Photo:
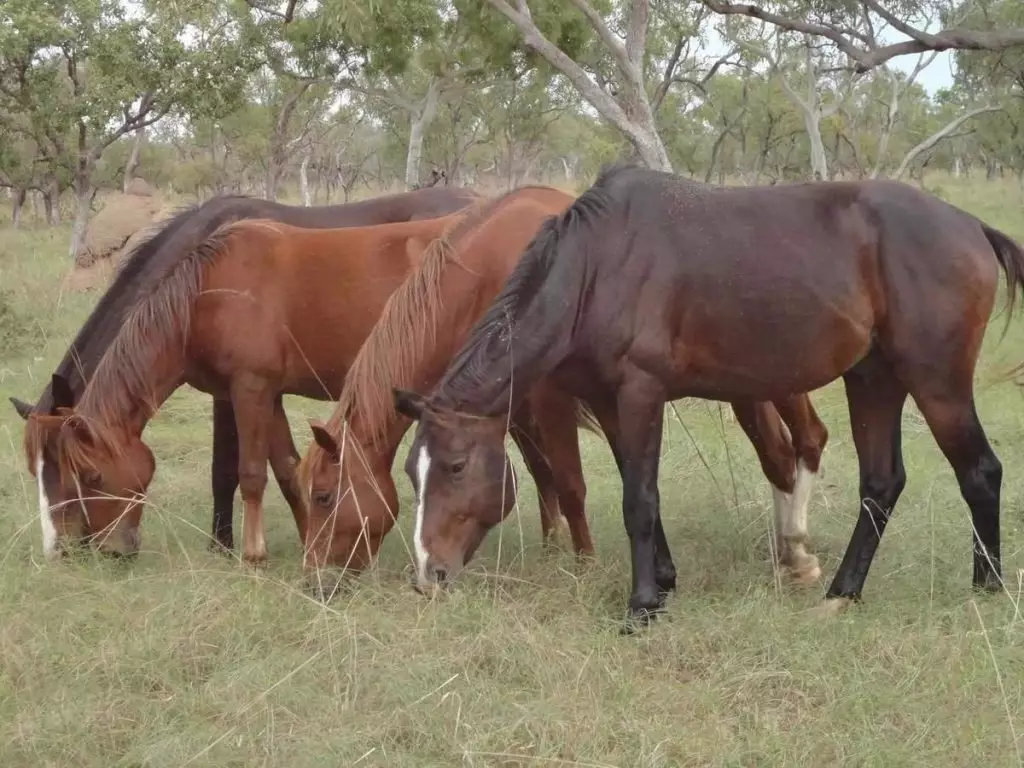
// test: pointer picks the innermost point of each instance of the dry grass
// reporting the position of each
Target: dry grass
(185, 658)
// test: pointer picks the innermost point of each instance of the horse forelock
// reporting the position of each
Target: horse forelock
(157, 325)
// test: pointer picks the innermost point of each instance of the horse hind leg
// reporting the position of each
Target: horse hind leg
(960, 436)
(875, 397)
(791, 474)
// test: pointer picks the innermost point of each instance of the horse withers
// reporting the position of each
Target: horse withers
(651, 288)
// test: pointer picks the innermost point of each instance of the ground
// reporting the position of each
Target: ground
(186, 658)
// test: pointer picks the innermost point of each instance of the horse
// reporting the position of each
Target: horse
(146, 266)
(650, 288)
(258, 309)
(421, 327)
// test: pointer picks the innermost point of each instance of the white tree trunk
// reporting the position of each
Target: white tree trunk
(307, 199)
(133, 158)
(938, 136)
(819, 160)
(83, 201)
(419, 121)
(957, 168)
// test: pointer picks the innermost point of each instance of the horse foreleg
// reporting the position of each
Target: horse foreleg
(523, 430)
(284, 460)
(556, 420)
(253, 401)
(791, 481)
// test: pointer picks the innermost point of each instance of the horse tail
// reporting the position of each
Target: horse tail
(1010, 256)
(586, 419)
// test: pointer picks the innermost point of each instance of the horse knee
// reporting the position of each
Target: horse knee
(252, 480)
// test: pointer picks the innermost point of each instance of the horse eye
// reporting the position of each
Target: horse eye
(322, 499)
(457, 466)
(91, 478)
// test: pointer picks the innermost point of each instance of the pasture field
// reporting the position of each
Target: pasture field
(186, 658)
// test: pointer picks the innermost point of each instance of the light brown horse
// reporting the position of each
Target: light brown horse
(258, 309)
(423, 325)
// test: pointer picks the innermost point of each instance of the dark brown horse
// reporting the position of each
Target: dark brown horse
(147, 266)
(422, 326)
(651, 288)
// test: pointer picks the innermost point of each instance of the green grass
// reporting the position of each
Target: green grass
(185, 658)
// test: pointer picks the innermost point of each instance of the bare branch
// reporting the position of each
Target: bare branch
(938, 136)
(286, 17)
(611, 42)
(863, 49)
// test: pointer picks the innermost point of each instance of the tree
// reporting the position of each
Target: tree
(85, 73)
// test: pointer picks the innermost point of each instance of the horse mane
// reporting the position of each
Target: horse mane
(157, 325)
(406, 329)
(523, 284)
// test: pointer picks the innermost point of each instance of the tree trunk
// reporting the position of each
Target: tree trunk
(83, 201)
(270, 183)
(307, 199)
(18, 195)
(51, 203)
(419, 121)
(133, 159)
(957, 168)
(819, 161)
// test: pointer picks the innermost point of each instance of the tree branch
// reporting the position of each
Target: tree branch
(618, 50)
(869, 55)
(938, 136)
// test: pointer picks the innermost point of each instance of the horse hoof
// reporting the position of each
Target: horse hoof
(805, 574)
(832, 607)
(255, 561)
(558, 537)
(220, 547)
(637, 620)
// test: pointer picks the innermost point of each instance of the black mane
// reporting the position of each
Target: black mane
(469, 369)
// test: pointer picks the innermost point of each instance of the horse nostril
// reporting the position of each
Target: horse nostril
(440, 575)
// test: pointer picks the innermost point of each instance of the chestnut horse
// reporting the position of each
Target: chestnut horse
(147, 265)
(259, 309)
(422, 326)
(651, 287)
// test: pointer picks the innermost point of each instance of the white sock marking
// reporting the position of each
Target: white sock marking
(801, 498)
(45, 521)
(422, 469)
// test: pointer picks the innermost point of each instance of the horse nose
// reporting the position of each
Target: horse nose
(437, 574)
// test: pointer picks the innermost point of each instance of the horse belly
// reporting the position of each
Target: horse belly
(765, 349)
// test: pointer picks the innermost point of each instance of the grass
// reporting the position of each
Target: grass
(185, 658)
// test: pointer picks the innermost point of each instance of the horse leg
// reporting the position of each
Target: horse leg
(640, 402)
(808, 437)
(955, 425)
(254, 413)
(557, 422)
(524, 433)
(284, 460)
(606, 412)
(224, 475)
(875, 398)
(790, 454)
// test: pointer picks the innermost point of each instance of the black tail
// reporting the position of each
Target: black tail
(1010, 256)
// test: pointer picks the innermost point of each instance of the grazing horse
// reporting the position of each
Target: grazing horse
(422, 326)
(257, 310)
(651, 288)
(146, 266)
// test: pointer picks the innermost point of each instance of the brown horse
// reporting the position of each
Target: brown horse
(651, 288)
(422, 326)
(257, 310)
(146, 267)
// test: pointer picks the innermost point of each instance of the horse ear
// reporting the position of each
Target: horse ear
(409, 403)
(60, 389)
(24, 409)
(324, 439)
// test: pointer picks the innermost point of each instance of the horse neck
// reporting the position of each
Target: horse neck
(466, 288)
(125, 396)
(498, 366)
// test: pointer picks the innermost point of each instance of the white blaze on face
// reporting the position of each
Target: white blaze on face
(422, 469)
(49, 530)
